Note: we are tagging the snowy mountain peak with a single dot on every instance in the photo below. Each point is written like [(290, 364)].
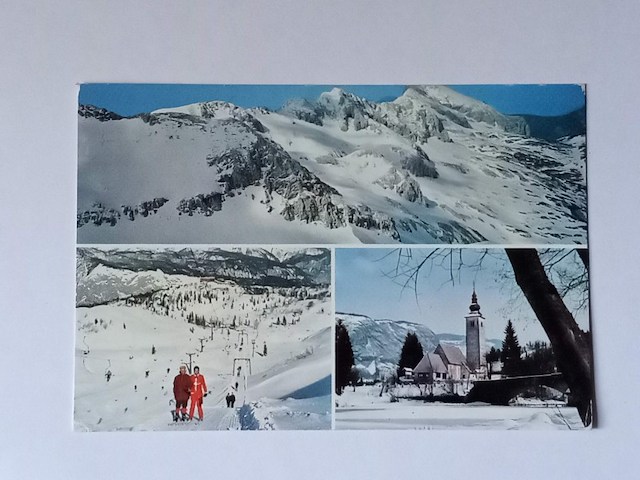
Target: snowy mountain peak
[(351, 111), (100, 114), (334, 95), (337, 99), (213, 109), (443, 95), (449, 104)]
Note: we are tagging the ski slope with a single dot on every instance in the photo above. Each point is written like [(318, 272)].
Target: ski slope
[(143, 338)]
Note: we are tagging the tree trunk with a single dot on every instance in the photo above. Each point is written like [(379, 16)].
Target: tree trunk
[(570, 344)]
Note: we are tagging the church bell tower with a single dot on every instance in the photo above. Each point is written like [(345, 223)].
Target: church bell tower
[(476, 348)]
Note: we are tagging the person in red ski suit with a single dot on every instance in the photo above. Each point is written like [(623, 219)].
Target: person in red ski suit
[(182, 391), (198, 390)]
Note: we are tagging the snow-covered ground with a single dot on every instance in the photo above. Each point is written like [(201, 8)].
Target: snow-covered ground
[(365, 409), (142, 337)]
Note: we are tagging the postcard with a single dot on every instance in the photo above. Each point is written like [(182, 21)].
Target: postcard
[(307, 257)]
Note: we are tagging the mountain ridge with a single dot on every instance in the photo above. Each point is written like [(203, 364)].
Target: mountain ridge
[(424, 168), (251, 268)]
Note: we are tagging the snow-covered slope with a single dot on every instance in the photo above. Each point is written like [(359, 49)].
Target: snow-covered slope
[(433, 166), (139, 326), (377, 343), (104, 284)]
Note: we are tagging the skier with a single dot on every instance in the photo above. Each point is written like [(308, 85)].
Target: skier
[(181, 388), (108, 375), (264, 350), (231, 397), (198, 390)]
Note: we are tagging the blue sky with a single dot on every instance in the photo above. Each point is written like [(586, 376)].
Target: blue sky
[(363, 286), (131, 99), (527, 99)]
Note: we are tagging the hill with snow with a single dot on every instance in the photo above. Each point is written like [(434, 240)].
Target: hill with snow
[(271, 343), (377, 343), (432, 166)]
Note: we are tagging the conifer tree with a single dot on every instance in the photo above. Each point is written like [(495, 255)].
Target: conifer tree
[(511, 351), (411, 353), (344, 357)]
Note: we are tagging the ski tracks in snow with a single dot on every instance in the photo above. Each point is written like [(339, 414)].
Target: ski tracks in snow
[(221, 418)]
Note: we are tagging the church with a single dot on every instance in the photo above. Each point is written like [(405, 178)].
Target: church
[(447, 362)]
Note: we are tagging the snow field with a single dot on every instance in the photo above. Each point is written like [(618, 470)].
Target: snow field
[(364, 409)]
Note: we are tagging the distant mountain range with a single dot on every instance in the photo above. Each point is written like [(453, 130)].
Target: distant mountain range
[(138, 270), (556, 128), (431, 166)]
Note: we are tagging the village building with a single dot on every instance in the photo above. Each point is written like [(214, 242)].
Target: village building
[(453, 359), (430, 368), (447, 362)]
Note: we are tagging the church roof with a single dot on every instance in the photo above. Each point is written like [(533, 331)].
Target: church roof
[(451, 354), (430, 363), (474, 307)]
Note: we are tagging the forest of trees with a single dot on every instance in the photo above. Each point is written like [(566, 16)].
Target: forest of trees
[(536, 358)]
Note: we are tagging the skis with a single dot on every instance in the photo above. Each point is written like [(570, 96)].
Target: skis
[(183, 419), (181, 424), (177, 418)]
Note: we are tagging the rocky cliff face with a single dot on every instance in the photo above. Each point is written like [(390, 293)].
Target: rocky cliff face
[(99, 214), (403, 184), (304, 110), (100, 114)]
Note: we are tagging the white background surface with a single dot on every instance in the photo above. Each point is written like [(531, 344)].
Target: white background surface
[(49, 47)]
